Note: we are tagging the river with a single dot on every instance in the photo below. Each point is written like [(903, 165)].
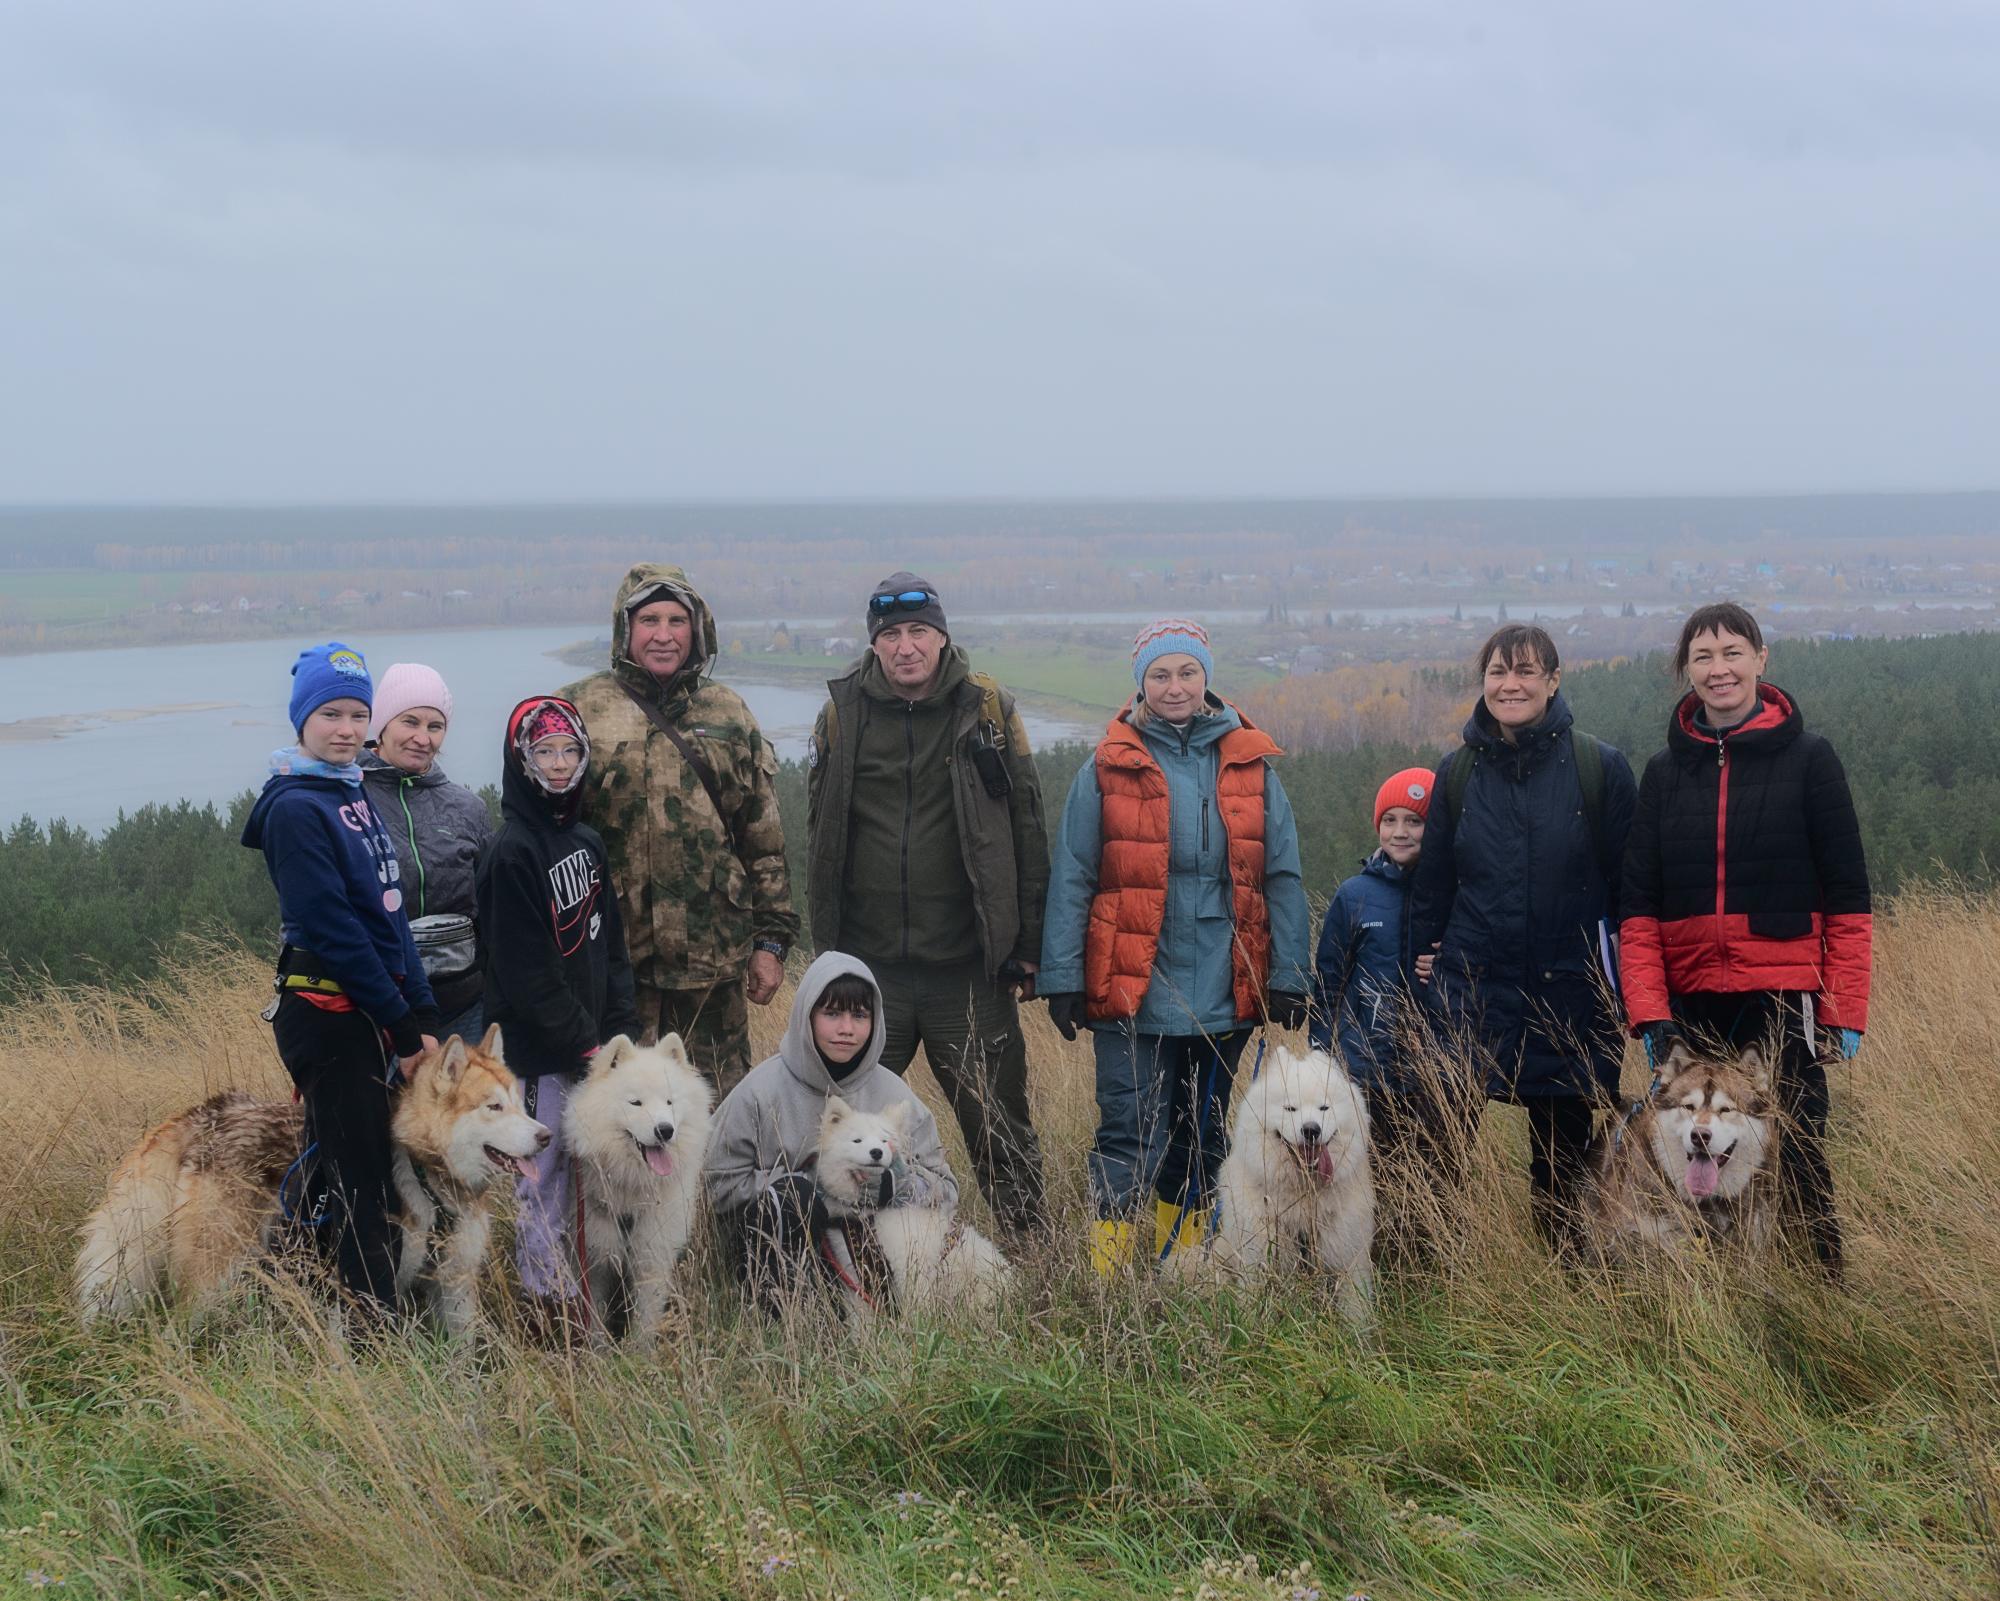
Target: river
[(87, 734)]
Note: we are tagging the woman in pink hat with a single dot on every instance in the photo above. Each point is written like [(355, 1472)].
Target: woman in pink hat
[(438, 828)]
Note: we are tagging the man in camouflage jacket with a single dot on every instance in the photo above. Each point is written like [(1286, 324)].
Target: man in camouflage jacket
[(930, 862), (702, 886)]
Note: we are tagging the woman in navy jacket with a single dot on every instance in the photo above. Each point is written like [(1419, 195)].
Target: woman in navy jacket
[(1746, 903), (352, 1003), (1515, 900)]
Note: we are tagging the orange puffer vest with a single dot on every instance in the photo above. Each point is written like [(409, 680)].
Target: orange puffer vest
[(1131, 900)]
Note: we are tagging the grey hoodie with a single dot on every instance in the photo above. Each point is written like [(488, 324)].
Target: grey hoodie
[(769, 1124)]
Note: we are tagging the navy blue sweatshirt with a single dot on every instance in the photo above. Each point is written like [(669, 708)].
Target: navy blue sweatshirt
[(340, 897)]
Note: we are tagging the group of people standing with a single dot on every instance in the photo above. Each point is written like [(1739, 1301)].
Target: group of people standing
[(637, 884)]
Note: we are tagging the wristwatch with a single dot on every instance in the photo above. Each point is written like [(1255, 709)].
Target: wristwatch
[(775, 946)]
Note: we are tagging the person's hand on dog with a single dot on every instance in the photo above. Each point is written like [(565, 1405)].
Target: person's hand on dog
[(1288, 1010), (1066, 1012)]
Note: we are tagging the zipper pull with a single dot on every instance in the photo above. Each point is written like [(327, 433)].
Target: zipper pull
[(1721, 753)]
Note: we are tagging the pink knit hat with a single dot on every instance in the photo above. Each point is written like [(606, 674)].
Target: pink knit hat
[(404, 687)]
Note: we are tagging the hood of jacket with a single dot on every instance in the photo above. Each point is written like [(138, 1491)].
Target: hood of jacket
[(278, 784), (520, 796), (1775, 723), (1204, 730), (644, 576), (1379, 866), (371, 764), (801, 1052), (1532, 744)]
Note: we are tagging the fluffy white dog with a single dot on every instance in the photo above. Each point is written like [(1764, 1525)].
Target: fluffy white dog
[(1295, 1190), (636, 1130), (933, 1260)]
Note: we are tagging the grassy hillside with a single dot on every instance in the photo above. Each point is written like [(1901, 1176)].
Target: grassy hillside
[(1515, 1430)]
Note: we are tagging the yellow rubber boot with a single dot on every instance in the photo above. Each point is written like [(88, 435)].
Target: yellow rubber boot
[(1189, 1236), (1111, 1243)]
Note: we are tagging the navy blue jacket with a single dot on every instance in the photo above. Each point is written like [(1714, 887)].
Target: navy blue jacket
[(1362, 974), (340, 896), (1514, 889)]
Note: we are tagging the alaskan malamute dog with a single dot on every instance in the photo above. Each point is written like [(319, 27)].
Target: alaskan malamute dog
[(1697, 1159), (933, 1260), (636, 1130), (1295, 1190), (195, 1203)]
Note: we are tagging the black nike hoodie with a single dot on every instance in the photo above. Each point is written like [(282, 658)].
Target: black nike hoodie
[(557, 979)]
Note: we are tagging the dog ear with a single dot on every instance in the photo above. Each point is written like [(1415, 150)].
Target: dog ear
[(451, 1061), (836, 1112), (611, 1053), (490, 1045), (1755, 1067), (676, 1047), (1679, 1060)]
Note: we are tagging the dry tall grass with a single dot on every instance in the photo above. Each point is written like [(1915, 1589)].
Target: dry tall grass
[(1515, 1429)]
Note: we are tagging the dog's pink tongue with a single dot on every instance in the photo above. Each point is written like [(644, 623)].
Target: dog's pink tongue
[(1323, 1162), (525, 1166), (660, 1160), (1702, 1174)]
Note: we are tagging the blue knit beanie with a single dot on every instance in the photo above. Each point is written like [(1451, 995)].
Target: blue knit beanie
[(1171, 636), (332, 671)]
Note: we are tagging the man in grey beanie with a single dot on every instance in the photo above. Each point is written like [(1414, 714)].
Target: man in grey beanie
[(929, 860)]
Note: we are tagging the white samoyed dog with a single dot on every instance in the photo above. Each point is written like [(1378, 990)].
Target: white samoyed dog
[(934, 1261), (1295, 1190), (636, 1130)]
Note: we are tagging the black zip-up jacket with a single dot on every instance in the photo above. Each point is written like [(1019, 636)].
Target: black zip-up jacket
[(1745, 870), (557, 978)]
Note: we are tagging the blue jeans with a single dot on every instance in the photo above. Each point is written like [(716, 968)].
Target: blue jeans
[(1162, 1117)]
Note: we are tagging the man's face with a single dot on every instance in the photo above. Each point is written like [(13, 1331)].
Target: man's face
[(661, 637), (909, 655)]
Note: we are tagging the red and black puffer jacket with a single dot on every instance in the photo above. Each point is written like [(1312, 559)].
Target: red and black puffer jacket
[(1744, 870)]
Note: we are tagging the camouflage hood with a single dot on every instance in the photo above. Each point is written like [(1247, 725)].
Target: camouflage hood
[(645, 576)]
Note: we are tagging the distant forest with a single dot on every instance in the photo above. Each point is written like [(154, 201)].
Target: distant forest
[(1916, 721)]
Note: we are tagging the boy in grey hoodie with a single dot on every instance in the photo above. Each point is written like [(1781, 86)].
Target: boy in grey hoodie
[(764, 1146)]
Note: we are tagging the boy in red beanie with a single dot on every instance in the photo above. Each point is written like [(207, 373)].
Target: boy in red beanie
[(1362, 983)]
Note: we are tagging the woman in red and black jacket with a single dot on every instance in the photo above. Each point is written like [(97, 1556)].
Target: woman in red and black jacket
[(1746, 908)]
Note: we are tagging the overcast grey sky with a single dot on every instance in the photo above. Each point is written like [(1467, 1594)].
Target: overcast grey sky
[(786, 248)]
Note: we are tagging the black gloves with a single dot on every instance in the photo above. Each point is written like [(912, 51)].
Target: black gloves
[(1287, 1010), (1066, 1012), (1659, 1039)]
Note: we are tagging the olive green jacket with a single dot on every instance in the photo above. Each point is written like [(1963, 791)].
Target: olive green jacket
[(691, 899), (1003, 841)]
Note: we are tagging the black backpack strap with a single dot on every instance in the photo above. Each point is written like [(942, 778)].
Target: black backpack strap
[(1457, 776), (1589, 753)]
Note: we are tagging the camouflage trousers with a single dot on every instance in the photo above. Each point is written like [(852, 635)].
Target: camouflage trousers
[(713, 1023), (970, 1029)]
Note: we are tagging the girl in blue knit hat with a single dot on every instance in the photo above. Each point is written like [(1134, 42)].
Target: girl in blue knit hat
[(352, 1006)]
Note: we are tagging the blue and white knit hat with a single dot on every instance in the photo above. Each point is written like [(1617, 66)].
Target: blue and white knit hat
[(1170, 636), (332, 671)]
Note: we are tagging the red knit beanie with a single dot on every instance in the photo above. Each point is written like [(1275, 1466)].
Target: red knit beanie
[(1411, 787)]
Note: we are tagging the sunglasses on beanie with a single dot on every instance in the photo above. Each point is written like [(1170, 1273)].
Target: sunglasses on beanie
[(908, 600)]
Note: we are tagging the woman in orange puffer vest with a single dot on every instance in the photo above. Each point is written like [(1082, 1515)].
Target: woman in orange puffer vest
[(1176, 924)]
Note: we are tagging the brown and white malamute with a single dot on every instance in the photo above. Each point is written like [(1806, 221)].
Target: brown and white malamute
[(195, 1203), (1697, 1159)]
